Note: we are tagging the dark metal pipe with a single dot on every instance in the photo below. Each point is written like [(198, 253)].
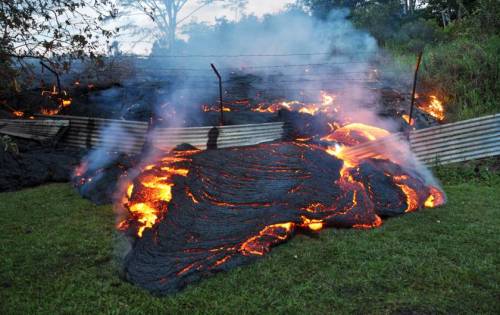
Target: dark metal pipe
[(220, 94), (419, 59), (54, 73)]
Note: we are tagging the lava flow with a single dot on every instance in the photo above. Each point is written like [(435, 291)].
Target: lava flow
[(326, 106), (193, 213)]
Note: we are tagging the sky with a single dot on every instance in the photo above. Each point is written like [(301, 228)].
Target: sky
[(207, 14)]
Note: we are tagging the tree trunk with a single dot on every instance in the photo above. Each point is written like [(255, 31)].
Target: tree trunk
[(171, 33)]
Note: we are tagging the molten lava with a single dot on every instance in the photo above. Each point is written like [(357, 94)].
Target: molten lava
[(49, 111), (193, 213), (326, 106), (147, 198), (356, 133), (436, 198)]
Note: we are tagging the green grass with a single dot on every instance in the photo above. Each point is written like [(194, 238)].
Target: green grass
[(56, 256)]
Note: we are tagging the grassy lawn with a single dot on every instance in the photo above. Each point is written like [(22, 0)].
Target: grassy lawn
[(56, 256)]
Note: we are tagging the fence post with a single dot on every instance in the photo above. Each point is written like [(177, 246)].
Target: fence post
[(220, 94), (419, 59), (55, 74)]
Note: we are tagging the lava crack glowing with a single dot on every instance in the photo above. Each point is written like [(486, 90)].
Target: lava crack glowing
[(148, 197)]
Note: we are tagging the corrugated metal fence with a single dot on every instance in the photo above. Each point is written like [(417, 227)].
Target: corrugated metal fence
[(461, 141), (109, 133)]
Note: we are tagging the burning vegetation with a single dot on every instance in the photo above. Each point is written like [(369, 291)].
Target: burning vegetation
[(434, 107), (59, 97)]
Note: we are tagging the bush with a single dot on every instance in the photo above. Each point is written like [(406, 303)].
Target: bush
[(486, 18)]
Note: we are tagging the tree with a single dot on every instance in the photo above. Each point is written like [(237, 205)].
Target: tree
[(321, 8), (48, 29), (55, 31), (382, 20), (166, 16), (237, 6), (453, 9)]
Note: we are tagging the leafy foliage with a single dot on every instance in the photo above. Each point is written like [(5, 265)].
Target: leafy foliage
[(56, 31), (485, 171), (166, 15), (51, 28), (466, 70)]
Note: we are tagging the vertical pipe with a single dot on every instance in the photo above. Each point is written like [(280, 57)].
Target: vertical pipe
[(419, 59), (220, 94), (56, 75)]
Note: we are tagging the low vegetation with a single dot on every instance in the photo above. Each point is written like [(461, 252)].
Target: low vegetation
[(58, 251)]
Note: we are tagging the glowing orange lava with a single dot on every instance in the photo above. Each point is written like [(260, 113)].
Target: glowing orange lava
[(314, 225), (148, 197), (256, 246), (436, 198), (411, 195), (49, 111), (154, 191), (434, 108), (61, 97), (356, 133), (326, 106)]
